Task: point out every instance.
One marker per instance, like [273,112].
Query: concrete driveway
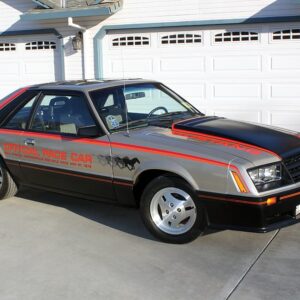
[54,247]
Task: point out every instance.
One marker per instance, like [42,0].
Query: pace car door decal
[84,160]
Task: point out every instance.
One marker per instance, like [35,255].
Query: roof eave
[50,14]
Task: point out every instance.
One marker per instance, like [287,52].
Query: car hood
[281,142]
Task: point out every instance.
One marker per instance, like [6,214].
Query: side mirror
[88,131]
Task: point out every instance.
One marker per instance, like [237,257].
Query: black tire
[157,186]
[8,187]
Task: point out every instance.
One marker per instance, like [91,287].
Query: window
[110,106]
[287,34]
[181,38]
[145,98]
[144,102]
[40,45]
[236,36]
[20,119]
[7,47]
[62,114]
[131,41]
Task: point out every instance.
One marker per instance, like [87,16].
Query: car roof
[88,85]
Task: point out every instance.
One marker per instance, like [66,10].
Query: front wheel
[171,211]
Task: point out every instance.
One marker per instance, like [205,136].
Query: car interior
[63,114]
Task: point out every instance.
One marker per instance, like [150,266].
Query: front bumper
[251,214]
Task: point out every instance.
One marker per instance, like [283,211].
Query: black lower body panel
[251,214]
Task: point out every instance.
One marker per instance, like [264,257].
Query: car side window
[62,114]
[110,104]
[20,119]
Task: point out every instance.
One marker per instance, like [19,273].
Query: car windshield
[140,105]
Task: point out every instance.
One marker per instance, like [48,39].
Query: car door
[61,160]
[11,131]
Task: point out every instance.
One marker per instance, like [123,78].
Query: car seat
[113,114]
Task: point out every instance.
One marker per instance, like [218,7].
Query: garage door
[26,61]
[244,72]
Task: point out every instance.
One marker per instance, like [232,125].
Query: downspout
[84,42]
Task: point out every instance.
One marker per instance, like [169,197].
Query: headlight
[266,174]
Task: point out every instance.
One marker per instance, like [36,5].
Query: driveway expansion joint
[252,265]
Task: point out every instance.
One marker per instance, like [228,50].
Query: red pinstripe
[232,200]
[127,147]
[290,196]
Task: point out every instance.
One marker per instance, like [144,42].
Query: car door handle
[29,142]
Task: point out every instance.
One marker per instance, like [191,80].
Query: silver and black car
[138,143]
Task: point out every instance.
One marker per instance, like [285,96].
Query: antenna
[124,90]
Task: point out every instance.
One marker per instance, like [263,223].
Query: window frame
[281,29]
[55,92]
[8,47]
[28,96]
[194,37]
[30,46]
[113,39]
[215,33]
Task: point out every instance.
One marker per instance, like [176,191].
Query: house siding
[142,12]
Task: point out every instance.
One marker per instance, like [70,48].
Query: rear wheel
[8,187]
[171,210]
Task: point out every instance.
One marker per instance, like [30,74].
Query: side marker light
[239,183]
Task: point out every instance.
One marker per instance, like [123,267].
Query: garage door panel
[38,67]
[285,119]
[132,66]
[9,69]
[183,64]
[242,90]
[287,91]
[285,62]
[237,63]
[249,116]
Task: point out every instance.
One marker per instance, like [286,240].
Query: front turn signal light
[271,201]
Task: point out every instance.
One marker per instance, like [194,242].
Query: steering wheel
[156,109]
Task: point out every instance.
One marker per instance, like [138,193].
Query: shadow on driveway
[122,218]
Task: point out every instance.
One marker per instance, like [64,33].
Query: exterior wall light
[77,41]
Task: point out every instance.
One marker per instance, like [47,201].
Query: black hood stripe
[229,143]
[277,142]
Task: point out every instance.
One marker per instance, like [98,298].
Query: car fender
[166,166]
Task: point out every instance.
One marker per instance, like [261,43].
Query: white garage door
[28,60]
[250,73]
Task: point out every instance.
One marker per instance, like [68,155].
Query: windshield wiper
[170,116]
[167,115]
